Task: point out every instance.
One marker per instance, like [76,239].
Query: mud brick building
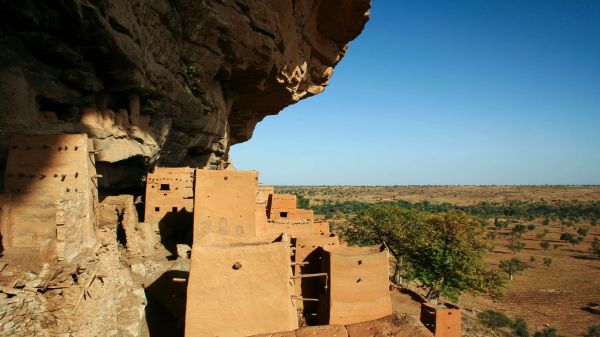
[51,194]
[169,194]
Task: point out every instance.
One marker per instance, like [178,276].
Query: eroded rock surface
[164,82]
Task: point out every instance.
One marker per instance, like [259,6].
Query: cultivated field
[558,296]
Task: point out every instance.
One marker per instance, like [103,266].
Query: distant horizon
[498,92]
[444,185]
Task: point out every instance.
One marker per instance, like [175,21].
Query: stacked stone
[22,312]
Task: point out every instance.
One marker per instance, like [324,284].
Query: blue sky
[448,92]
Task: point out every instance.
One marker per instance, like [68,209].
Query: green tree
[546,221]
[582,231]
[519,229]
[444,251]
[566,237]
[386,224]
[547,262]
[302,202]
[515,246]
[595,248]
[512,267]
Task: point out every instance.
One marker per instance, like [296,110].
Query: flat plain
[561,295]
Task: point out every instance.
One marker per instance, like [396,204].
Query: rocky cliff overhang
[167,82]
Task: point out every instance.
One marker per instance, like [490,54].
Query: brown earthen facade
[169,193]
[442,320]
[358,285]
[51,193]
[225,202]
[283,207]
[240,290]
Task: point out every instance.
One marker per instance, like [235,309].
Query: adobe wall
[291,214]
[309,252]
[46,173]
[295,228]
[240,290]
[169,191]
[442,321]
[281,201]
[263,194]
[358,285]
[225,203]
[262,197]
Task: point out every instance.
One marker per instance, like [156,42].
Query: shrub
[545,244]
[593,331]
[519,229]
[520,328]
[595,248]
[532,258]
[547,262]
[515,246]
[495,319]
[547,332]
[530,227]
[566,237]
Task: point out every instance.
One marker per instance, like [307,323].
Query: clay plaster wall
[308,250]
[240,290]
[225,203]
[443,321]
[294,228]
[358,285]
[291,213]
[263,194]
[262,197]
[281,201]
[169,191]
[46,173]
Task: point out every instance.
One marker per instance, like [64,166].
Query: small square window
[156,209]
[283,214]
[164,187]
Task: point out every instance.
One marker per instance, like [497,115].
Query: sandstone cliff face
[168,82]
